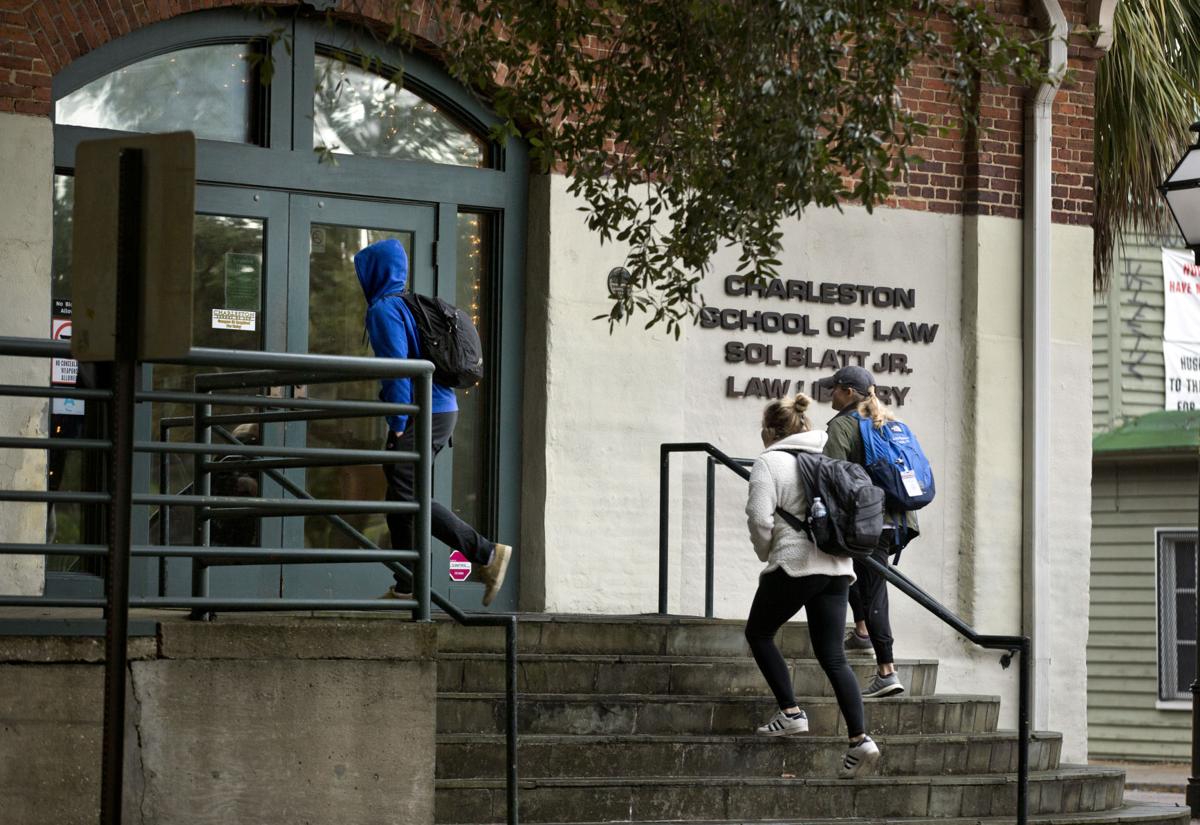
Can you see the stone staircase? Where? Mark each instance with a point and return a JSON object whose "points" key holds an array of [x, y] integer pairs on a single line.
{"points": [[650, 720]]}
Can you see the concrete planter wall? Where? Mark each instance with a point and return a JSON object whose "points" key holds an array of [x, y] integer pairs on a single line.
{"points": [[285, 721]]}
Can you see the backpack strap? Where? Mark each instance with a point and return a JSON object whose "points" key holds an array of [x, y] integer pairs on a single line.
{"points": [[806, 466]]}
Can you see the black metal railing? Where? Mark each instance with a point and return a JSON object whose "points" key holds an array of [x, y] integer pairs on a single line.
{"points": [[255, 370], [509, 621], [1011, 645]]}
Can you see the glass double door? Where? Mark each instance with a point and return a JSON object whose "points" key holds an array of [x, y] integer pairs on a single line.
{"points": [[274, 271]]}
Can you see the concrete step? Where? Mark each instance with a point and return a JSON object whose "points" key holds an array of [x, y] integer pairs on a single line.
{"points": [[462, 756], [633, 635], [629, 714], [658, 675], [1125, 815], [741, 799]]}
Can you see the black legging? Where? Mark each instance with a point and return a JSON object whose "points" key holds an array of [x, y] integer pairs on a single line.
{"points": [[446, 527], [869, 601], [778, 599]]}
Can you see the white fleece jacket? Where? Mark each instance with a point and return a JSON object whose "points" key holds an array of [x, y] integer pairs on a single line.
{"points": [[775, 482]]}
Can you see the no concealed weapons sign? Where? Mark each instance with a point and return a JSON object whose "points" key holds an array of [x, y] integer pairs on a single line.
{"points": [[460, 567]]}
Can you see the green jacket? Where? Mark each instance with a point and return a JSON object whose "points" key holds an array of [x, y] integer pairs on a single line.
{"points": [[845, 442]]}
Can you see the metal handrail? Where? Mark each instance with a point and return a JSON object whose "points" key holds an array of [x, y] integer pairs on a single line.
{"points": [[264, 369], [509, 622], [306, 410], [1012, 645]]}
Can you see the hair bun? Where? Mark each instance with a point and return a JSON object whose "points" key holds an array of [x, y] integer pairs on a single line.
{"points": [[800, 403]]}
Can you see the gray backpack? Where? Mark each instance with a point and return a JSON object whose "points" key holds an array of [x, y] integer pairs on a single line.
{"points": [[854, 505]]}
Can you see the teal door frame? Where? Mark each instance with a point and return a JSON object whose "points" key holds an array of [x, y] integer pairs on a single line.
{"points": [[285, 165], [350, 581], [272, 209]]}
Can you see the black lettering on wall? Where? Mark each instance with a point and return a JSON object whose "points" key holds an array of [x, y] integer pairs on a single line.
{"points": [[772, 320]]}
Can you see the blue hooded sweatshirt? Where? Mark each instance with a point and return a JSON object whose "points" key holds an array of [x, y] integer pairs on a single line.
{"points": [[382, 270]]}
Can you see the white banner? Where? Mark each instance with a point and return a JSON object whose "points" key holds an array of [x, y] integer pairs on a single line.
{"points": [[1181, 296], [1181, 329], [1182, 362]]}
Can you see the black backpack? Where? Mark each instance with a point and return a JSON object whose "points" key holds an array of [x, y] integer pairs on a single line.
{"points": [[853, 503], [448, 339]]}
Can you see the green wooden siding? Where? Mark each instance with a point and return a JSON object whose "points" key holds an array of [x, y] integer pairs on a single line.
{"points": [[1130, 499], [1101, 381], [1132, 384]]}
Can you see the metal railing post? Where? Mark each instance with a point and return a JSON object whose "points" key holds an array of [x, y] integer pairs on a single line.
{"points": [[424, 490], [710, 508], [510, 684], [1024, 691], [201, 486], [164, 512], [664, 504]]}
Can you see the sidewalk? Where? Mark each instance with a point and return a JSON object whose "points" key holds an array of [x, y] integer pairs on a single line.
{"points": [[1164, 783]]}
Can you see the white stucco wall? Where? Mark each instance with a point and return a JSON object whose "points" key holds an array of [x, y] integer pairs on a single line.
{"points": [[26, 167], [606, 403], [1070, 484], [991, 536]]}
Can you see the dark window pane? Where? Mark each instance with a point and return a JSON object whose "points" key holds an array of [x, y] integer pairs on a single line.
{"points": [[208, 90], [1185, 616], [335, 326], [1187, 669], [471, 442], [1185, 564], [60, 254], [227, 277], [65, 470], [356, 112]]}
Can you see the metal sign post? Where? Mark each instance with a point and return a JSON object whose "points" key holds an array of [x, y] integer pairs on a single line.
{"points": [[132, 301], [129, 264]]}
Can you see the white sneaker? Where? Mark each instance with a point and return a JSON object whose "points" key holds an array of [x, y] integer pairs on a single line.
{"points": [[783, 725], [859, 759], [492, 575], [393, 593]]}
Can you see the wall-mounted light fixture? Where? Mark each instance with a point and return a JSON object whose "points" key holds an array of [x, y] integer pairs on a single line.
{"points": [[620, 284]]}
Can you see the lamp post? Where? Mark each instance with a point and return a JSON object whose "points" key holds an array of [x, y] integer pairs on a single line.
{"points": [[1181, 190]]}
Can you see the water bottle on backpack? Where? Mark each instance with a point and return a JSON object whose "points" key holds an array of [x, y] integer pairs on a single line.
{"points": [[818, 521]]}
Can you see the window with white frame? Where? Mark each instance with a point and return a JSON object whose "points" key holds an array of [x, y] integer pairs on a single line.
{"points": [[1177, 592]]}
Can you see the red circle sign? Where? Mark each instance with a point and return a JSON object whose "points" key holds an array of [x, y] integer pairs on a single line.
{"points": [[460, 567]]}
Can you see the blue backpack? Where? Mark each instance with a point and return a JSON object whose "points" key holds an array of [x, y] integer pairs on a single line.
{"points": [[896, 463]]}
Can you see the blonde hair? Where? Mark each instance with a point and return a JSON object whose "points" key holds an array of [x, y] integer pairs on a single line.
{"points": [[871, 407], [783, 418]]}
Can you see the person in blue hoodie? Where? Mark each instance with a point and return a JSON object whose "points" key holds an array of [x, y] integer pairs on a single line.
{"points": [[382, 270]]}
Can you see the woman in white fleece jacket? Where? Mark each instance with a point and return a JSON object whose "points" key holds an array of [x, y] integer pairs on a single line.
{"points": [[799, 575]]}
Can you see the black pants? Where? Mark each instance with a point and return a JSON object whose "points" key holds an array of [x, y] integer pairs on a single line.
{"points": [[869, 601], [401, 486], [778, 599]]}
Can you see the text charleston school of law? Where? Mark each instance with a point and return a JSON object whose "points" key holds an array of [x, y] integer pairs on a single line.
{"points": [[558, 452]]}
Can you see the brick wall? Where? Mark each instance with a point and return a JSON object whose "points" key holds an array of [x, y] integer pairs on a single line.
{"points": [[980, 173]]}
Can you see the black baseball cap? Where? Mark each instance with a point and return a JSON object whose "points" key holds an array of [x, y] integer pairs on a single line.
{"points": [[856, 378]]}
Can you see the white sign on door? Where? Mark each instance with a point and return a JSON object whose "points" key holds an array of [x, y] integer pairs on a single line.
{"points": [[240, 319]]}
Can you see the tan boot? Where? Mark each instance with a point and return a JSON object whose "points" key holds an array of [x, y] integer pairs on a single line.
{"points": [[492, 575]]}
